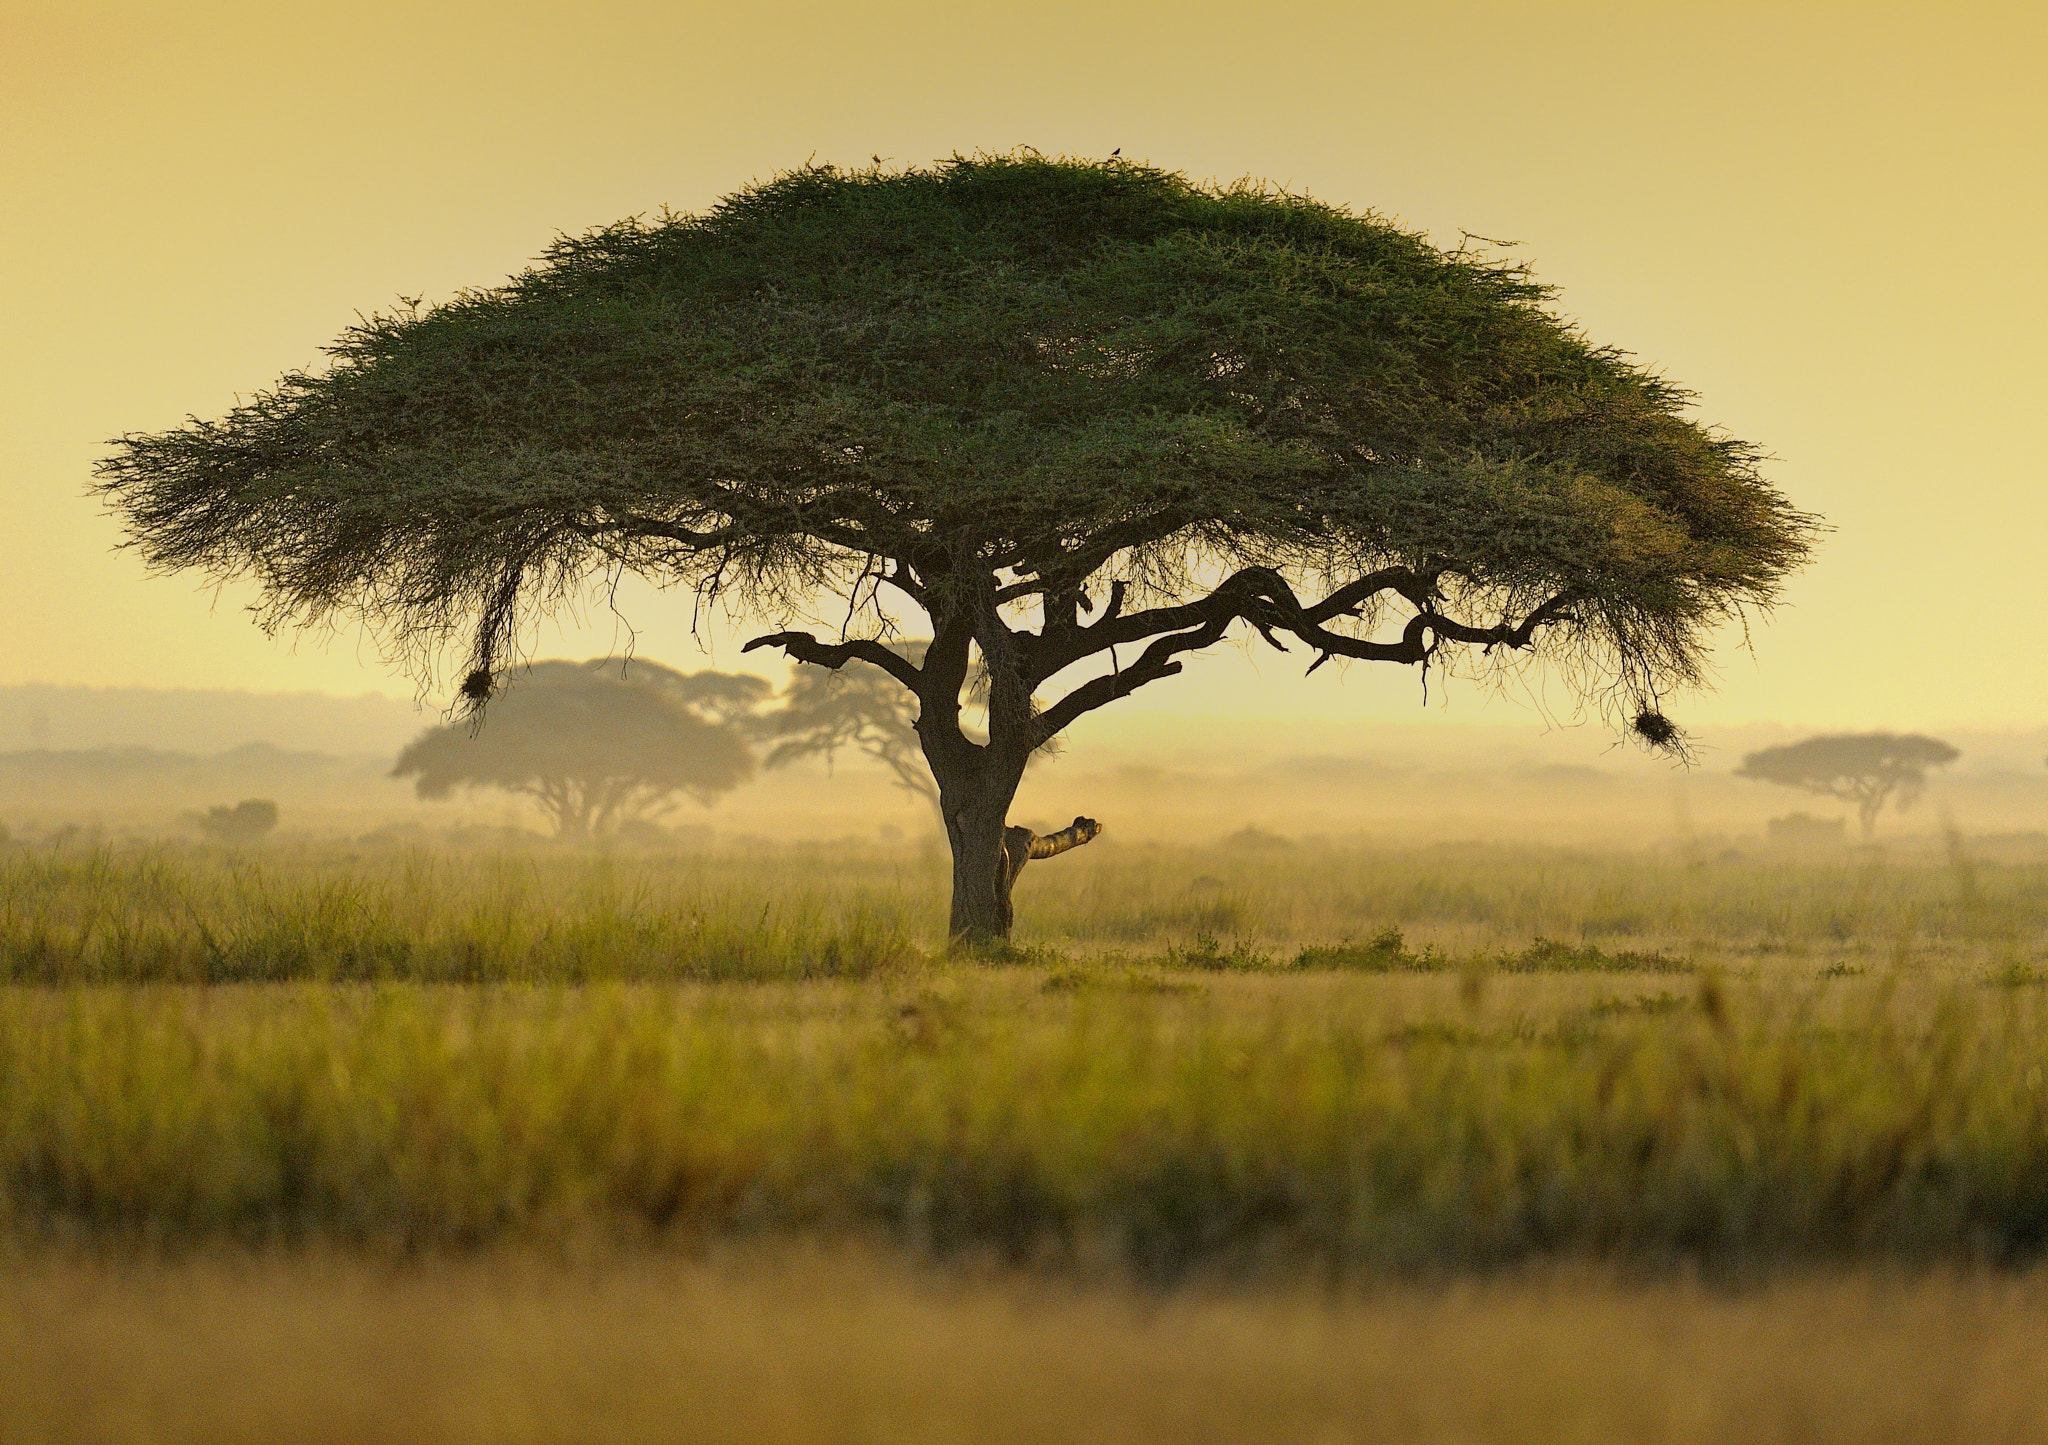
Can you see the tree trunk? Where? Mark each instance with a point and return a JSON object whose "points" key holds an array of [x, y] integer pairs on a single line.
{"points": [[976, 813], [987, 857], [978, 780]]}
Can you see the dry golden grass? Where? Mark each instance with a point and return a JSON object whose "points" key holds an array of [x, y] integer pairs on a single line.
{"points": [[799, 1346]]}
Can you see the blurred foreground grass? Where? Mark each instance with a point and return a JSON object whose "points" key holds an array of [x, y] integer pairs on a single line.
{"points": [[807, 1347]]}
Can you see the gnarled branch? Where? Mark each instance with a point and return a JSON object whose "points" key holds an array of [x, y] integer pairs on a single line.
{"points": [[1263, 598]]}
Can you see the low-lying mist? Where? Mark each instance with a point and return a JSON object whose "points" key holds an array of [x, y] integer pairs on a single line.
{"points": [[1152, 779]]}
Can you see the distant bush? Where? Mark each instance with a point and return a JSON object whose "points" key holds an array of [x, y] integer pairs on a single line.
{"points": [[246, 822], [1254, 839], [1803, 830]]}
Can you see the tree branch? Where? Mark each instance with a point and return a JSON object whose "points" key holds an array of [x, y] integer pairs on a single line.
{"points": [[1155, 662], [1517, 636], [1051, 845], [1263, 598], [835, 655]]}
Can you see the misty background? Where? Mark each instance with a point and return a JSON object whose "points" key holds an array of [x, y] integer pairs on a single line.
{"points": [[139, 762]]}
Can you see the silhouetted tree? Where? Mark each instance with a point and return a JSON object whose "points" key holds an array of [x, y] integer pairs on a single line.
{"points": [[596, 744], [1086, 418], [1862, 768]]}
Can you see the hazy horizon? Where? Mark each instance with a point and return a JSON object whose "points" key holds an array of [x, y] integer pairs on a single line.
{"points": [[373, 721], [1151, 775]]}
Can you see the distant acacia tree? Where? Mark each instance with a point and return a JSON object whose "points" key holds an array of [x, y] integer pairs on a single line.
{"points": [[1867, 769], [596, 744], [1087, 419]]}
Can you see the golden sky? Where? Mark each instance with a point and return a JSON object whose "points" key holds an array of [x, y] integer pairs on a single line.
{"points": [[1826, 219]]}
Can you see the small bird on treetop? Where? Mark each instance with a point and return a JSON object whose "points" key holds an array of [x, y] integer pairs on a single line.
{"points": [[1117, 152]]}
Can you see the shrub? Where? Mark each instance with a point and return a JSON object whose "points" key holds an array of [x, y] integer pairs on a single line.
{"points": [[246, 822]]}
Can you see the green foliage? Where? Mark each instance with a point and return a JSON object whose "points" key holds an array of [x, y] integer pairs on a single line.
{"points": [[1003, 364], [598, 744], [1662, 1002], [1240, 955], [1548, 955], [1387, 952]]}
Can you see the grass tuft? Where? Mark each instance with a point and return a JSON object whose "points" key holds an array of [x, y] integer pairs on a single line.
{"points": [[1548, 955], [1385, 952]]}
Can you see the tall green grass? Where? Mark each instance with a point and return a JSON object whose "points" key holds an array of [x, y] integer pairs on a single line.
{"points": [[1260, 1121]]}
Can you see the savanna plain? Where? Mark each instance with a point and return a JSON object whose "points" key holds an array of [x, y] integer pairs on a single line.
{"points": [[332, 1141]]}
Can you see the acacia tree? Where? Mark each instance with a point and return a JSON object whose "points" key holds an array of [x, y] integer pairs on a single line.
{"points": [[1078, 420], [1866, 769], [596, 744]]}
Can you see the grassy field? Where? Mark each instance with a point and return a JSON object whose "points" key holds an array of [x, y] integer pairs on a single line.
{"points": [[1335, 1083], [340, 913]]}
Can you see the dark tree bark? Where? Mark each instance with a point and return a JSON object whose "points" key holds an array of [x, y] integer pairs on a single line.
{"points": [[977, 781]]}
